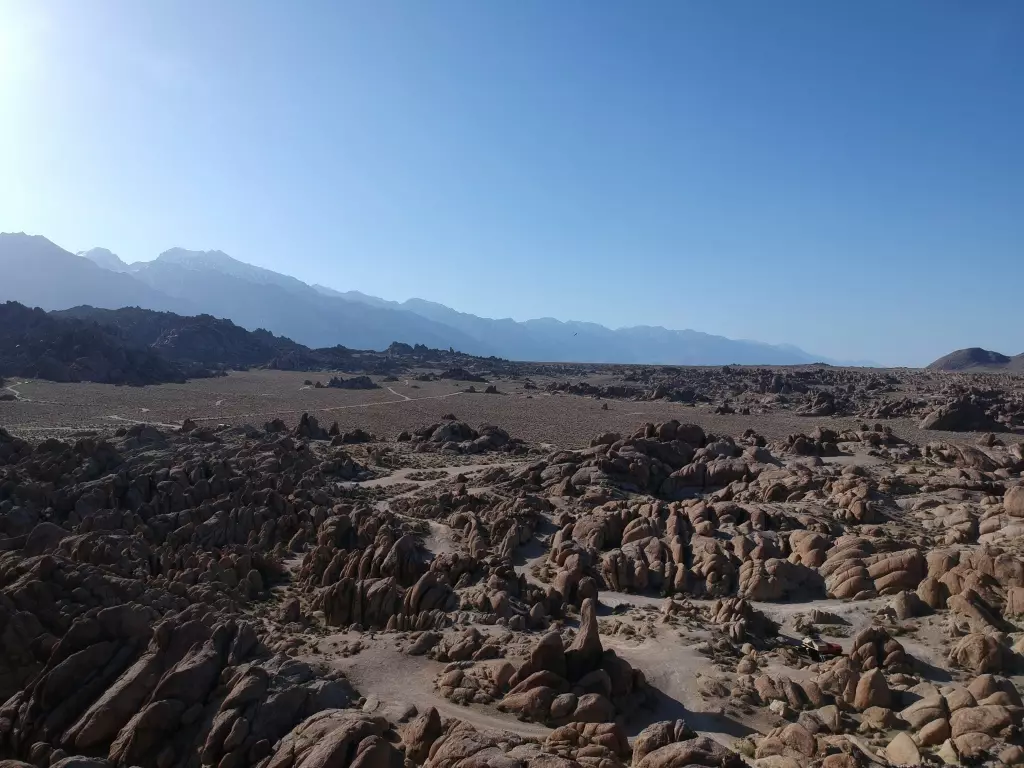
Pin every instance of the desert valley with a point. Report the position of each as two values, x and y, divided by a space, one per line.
222 547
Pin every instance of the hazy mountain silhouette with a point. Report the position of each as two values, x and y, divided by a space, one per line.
104 258
574 341
39 273
258 298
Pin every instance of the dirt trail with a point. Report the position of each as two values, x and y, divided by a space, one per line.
313 409
21 398
143 421
402 475
399 394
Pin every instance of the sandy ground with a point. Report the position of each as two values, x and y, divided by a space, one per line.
396 680
257 396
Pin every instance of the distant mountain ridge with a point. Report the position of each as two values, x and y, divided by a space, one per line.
211 282
38 273
978 359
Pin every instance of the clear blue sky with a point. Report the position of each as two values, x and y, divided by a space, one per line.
844 176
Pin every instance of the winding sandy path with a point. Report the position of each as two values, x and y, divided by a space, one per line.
399 394
141 421
21 398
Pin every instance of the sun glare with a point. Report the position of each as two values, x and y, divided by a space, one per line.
16 32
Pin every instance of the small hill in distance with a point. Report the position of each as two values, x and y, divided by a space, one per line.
978 359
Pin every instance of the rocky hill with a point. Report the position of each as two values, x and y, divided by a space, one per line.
976 358
34 344
200 339
140 346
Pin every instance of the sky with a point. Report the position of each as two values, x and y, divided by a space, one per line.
846 177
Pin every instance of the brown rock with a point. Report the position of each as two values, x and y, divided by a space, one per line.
372 752
959 698
933 593
1015 601
420 734
584 654
658 735
1012 755
984 686
979 653
840 761
549 654
563 706
974 745
593 708
872 691
799 739
112 710
330 738
990 719
701 751
924 711
934 733
533 704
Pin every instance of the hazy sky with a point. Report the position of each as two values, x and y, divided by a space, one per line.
844 176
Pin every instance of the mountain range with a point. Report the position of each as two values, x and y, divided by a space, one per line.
39 273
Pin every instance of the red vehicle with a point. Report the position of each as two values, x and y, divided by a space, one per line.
820 649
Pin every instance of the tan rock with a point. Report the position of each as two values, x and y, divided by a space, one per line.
985 686
959 698
777 761
799 739
1012 755
933 733
948 753
974 745
924 711
903 751
881 718
1013 501
840 761
1015 601
978 653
